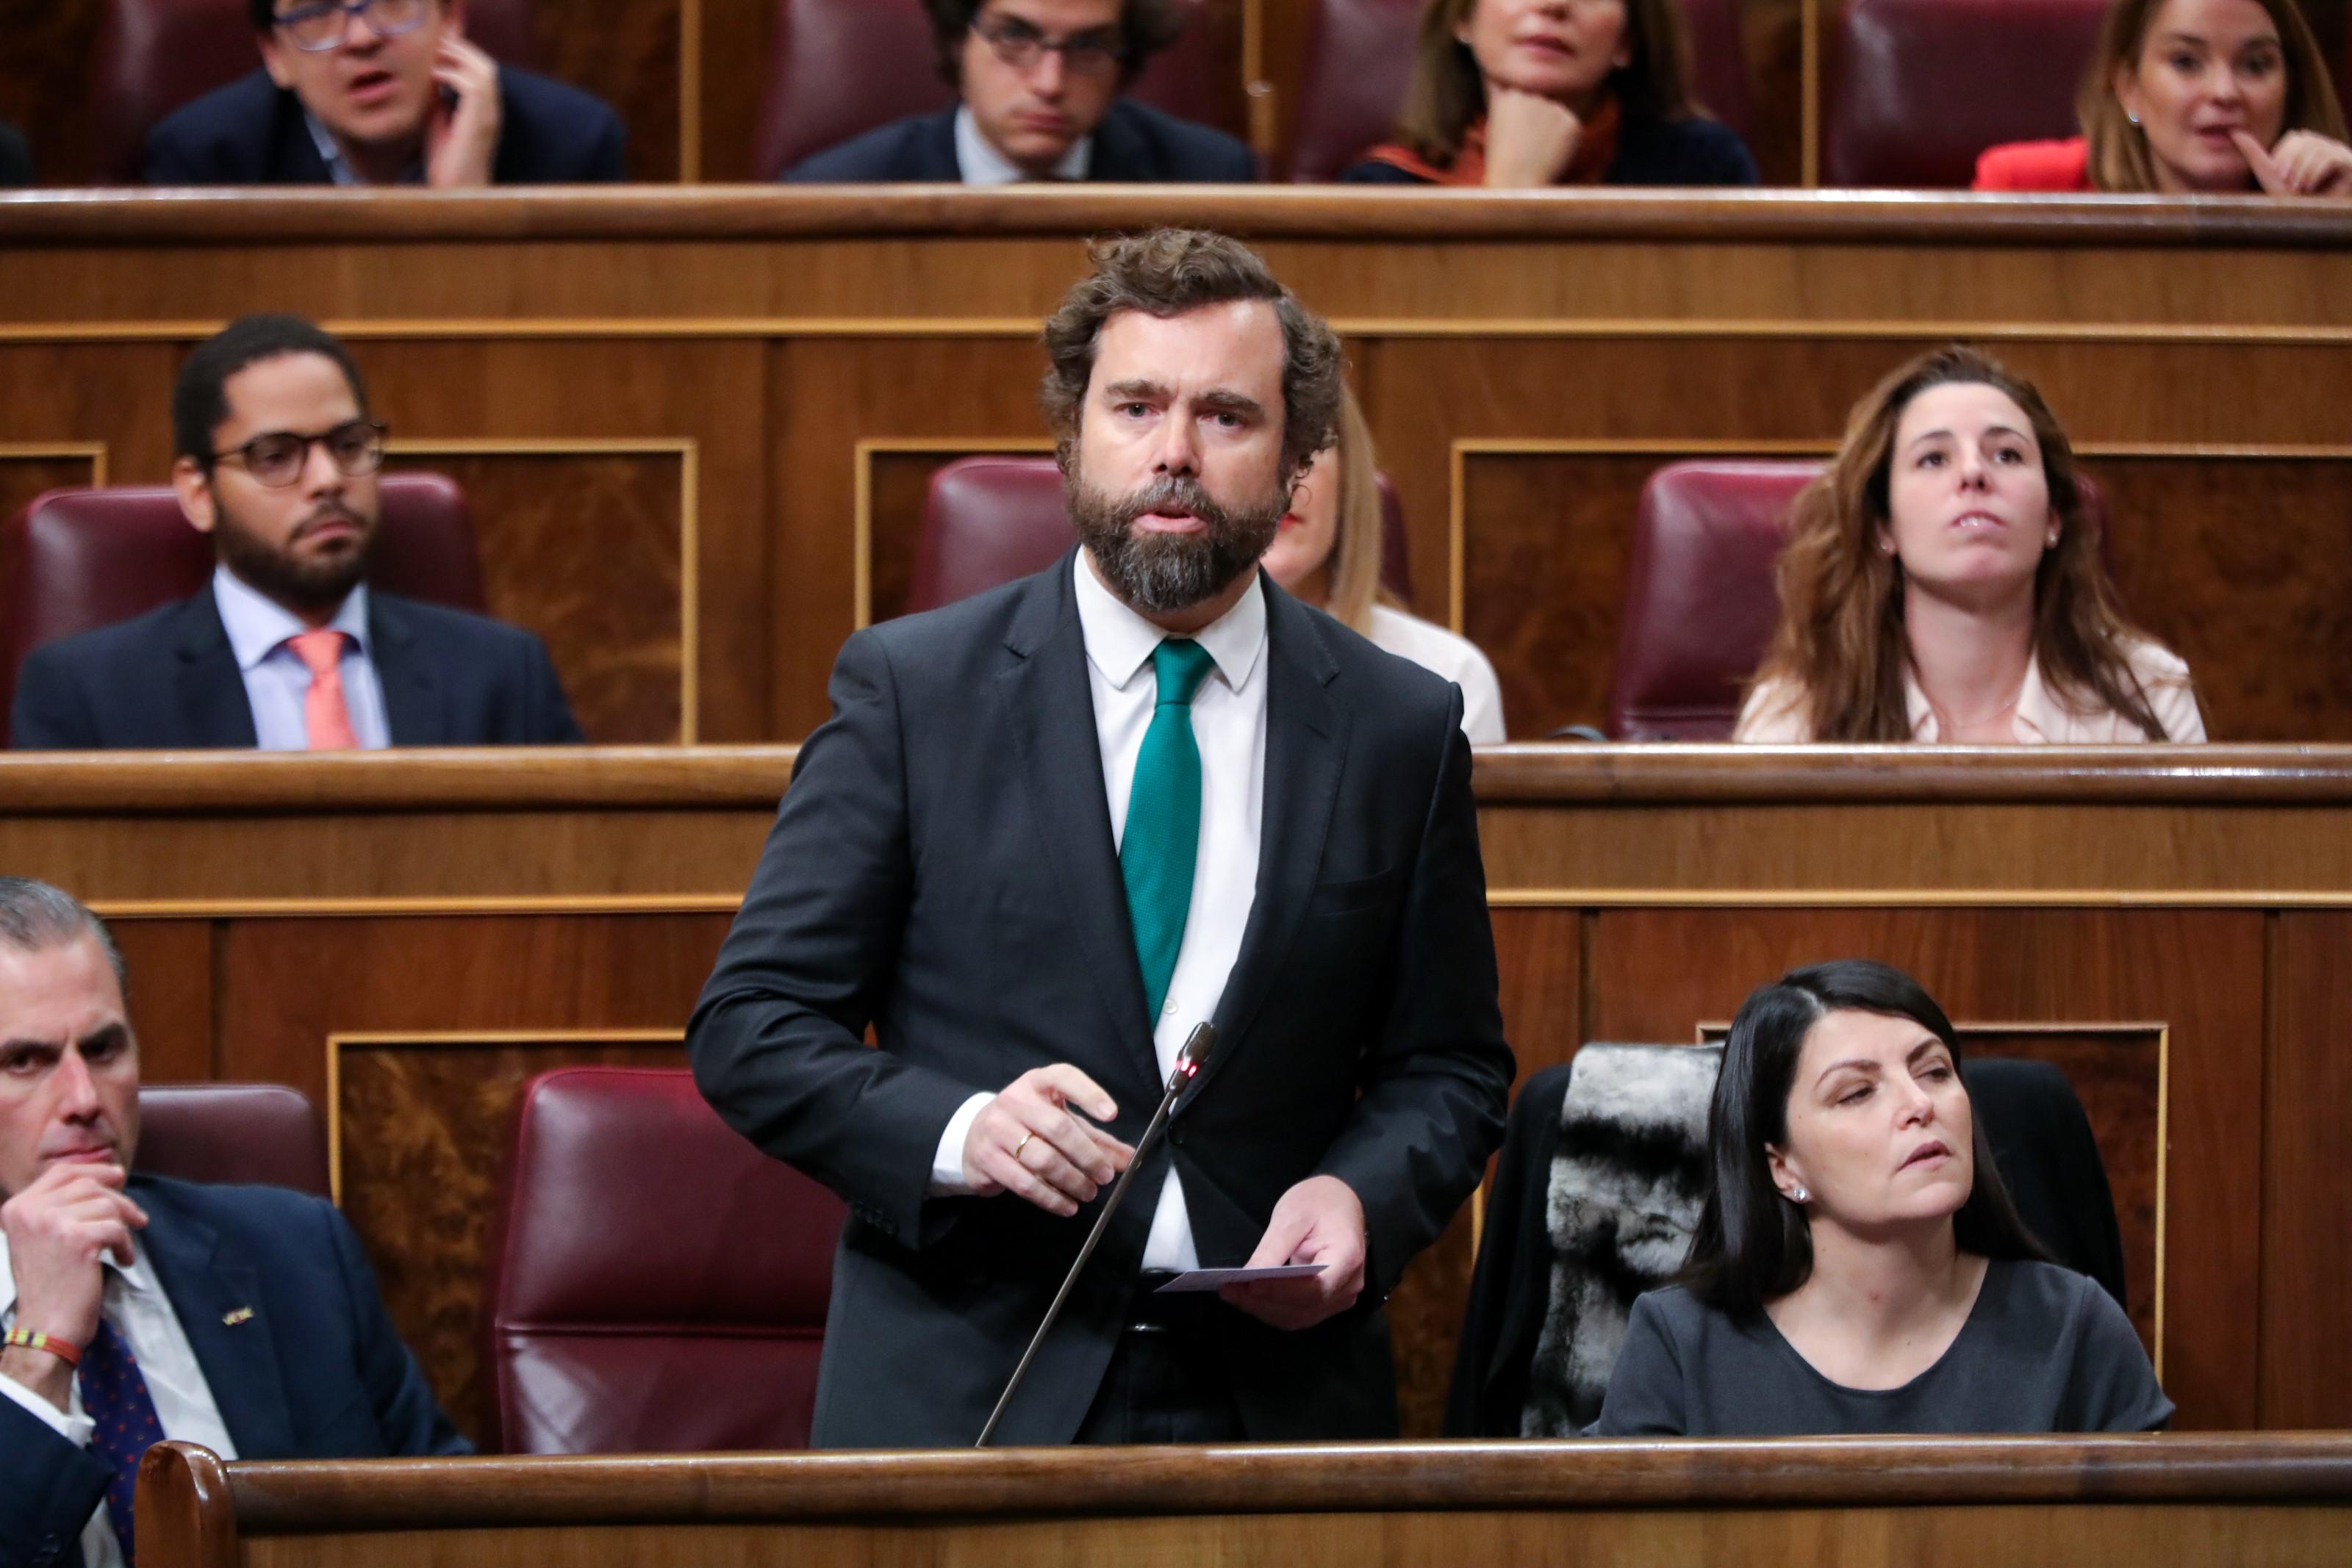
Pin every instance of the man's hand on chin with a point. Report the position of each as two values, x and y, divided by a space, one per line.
1319 1221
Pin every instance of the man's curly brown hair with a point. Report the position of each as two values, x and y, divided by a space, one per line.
1169 272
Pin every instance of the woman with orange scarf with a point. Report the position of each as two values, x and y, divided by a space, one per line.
1521 94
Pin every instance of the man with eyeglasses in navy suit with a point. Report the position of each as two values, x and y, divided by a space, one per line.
286 648
382 92
1040 85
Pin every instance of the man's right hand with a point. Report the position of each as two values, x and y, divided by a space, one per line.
58 1230
1028 1142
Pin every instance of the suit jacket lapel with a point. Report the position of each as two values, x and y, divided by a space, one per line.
1306 744
934 148
209 688
1119 154
1049 707
412 698
208 1284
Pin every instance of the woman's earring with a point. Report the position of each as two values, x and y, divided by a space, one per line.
1800 1196
2130 115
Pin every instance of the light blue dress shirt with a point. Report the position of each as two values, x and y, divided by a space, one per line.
275 679
980 163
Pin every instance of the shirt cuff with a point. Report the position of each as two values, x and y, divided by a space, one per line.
74 1430
947 1164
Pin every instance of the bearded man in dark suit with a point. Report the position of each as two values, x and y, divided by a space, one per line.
1051 828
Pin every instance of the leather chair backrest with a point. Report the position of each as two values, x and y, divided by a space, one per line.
1699 600
989 520
840 67
1359 60
76 559
153 56
261 1132
1917 89
657 1284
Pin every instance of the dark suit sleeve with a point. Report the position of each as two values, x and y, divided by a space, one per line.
1438 1079
608 156
778 1039
550 712
410 1418
47 1490
48 713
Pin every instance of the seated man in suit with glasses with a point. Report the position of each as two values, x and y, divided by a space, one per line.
286 648
1039 84
382 92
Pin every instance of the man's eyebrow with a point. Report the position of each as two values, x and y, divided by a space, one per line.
1139 388
1218 401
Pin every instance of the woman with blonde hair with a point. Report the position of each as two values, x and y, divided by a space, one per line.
1521 94
2194 97
1943 582
1327 554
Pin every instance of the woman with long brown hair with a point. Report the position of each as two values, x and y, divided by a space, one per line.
1521 94
1327 554
1943 582
2194 96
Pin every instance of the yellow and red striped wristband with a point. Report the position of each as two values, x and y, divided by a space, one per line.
64 1351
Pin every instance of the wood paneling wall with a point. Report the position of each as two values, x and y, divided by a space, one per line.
407 937
697 426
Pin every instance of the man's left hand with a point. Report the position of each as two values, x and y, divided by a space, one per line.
1320 1220
461 140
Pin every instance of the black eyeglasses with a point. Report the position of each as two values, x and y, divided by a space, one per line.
319 26
278 457
1021 45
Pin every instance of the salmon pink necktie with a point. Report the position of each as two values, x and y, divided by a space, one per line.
326 721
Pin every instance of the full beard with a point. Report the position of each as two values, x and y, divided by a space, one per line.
316 583
1165 572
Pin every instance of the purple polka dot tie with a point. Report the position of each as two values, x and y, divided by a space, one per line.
114 1395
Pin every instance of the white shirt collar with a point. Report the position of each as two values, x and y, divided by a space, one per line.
2035 717
257 625
138 1278
1119 641
980 163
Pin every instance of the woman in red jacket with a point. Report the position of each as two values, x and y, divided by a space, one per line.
2194 97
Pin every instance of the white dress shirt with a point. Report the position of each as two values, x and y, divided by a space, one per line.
276 678
135 1304
980 163
1773 713
1229 729
1448 654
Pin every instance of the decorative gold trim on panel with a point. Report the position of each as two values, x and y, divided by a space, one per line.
689 92
339 1038
1710 1030
689 451
862 456
94 452
1907 898
1809 94
425 906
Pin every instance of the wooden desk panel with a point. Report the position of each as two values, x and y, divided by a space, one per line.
2269 1500
408 938
738 393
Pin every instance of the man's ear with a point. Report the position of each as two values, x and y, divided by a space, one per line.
453 18
194 489
274 58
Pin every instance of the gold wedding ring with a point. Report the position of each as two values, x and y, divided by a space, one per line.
1022 1144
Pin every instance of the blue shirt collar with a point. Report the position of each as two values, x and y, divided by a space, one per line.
257 625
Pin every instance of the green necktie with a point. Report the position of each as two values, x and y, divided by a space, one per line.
1162 840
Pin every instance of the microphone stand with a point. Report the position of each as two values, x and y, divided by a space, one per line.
1196 1051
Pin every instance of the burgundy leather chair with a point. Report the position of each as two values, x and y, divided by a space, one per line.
1699 600
992 519
76 559
153 56
263 1133
657 1284
1360 58
840 67
1917 89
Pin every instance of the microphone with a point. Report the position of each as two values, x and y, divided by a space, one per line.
1188 1061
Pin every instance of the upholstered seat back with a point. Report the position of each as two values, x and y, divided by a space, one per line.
992 519
153 56
77 560
1360 61
838 68
1917 89
657 1284
263 1133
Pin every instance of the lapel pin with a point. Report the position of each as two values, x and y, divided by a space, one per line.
242 1314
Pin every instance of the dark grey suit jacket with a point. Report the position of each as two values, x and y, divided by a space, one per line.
168 681
313 1369
942 869
1135 144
